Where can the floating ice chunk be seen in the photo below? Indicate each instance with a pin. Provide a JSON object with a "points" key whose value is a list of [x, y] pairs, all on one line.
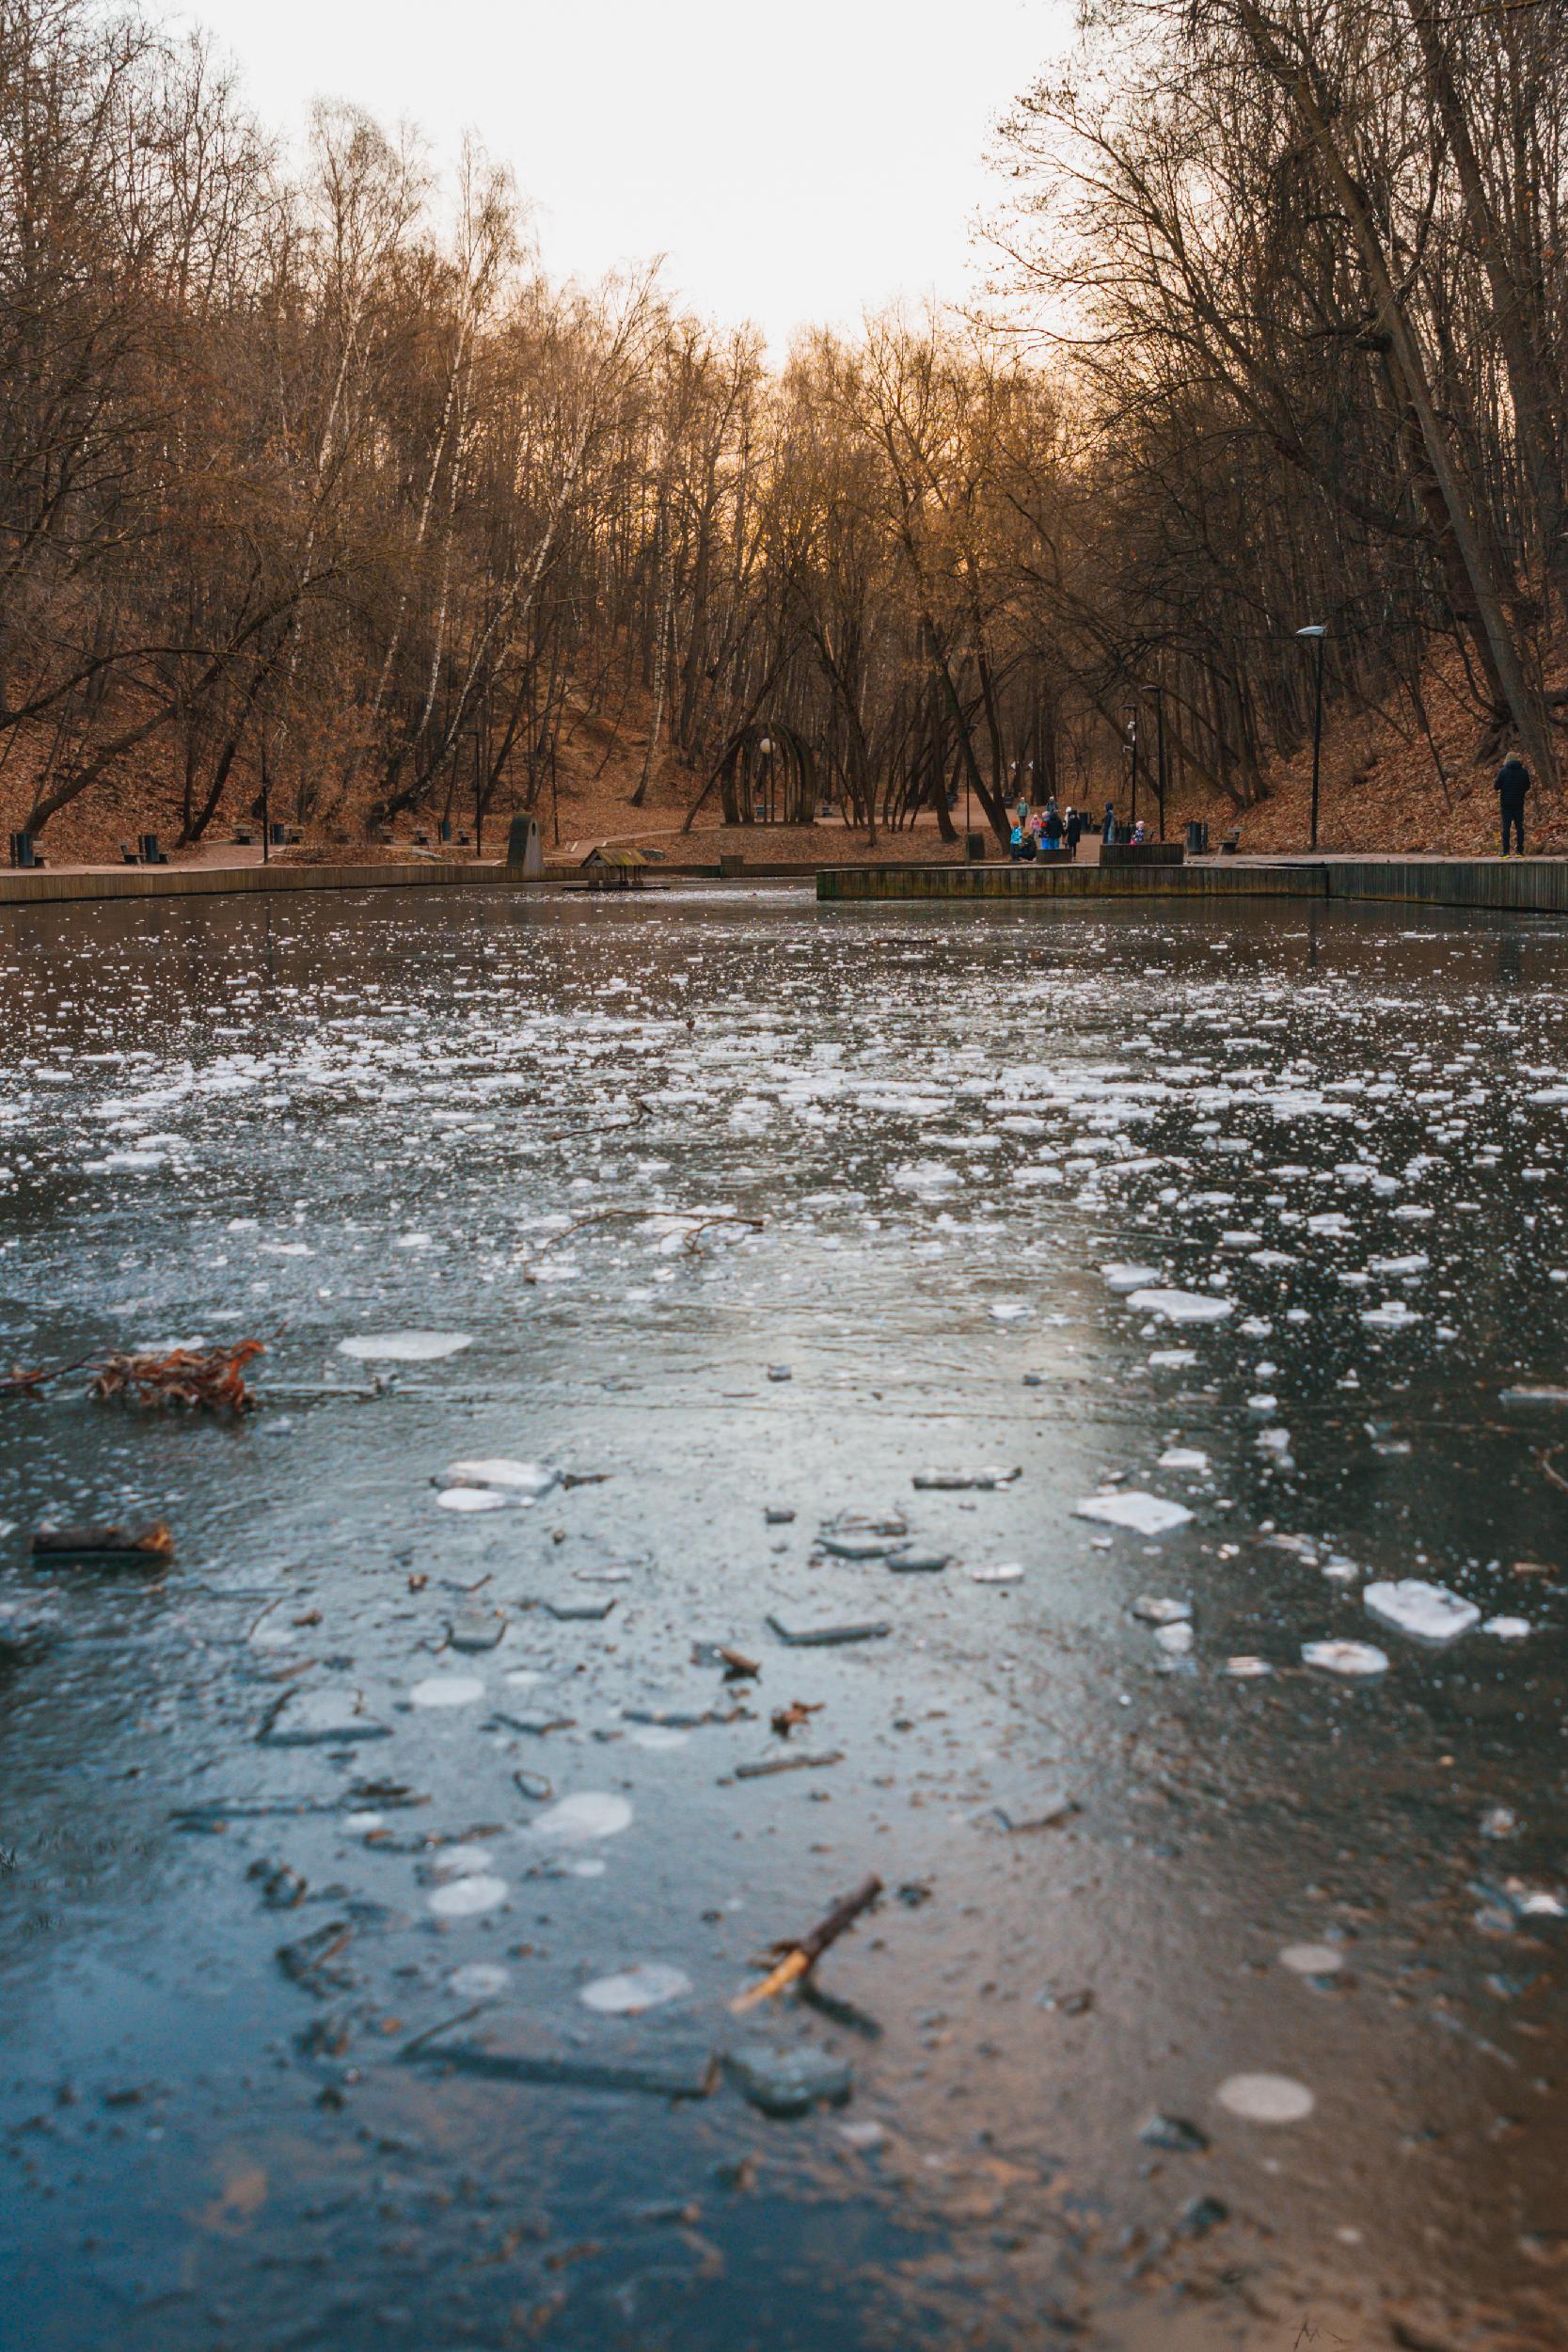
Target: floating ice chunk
{"points": [[1393, 1315], [1130, 1278], [1184, 1457], [447, 1691], [404, 1347], [329, 1717], [472, 1498], [523, 1482], [1180, 1306], [1430, 1612], [1172, 1358], [656, 1735], [1247, 1669], [1010, 1311], [1007, 1572], [577, 1820], [1508, 1628], [925, 1177], [1158, 1609], [649, 1985], [1416, 1263], [464, 1860], [1345, 1658], [466, 1898], [1176, 1639], [987, 1478], [1036, 1174], [1145, 1515], [1265, 2098], [1312, 1959], [1332, 1222], [481, 1981]]}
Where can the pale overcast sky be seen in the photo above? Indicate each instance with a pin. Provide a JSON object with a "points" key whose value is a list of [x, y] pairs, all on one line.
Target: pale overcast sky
{"points": [[796, 162]]}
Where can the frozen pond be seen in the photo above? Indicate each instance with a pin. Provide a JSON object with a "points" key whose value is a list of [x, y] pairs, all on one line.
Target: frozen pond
{"points": [[640, 1280]]}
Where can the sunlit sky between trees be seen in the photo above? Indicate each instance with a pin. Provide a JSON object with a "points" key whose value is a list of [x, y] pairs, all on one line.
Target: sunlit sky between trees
{"points": [[794, 164]]}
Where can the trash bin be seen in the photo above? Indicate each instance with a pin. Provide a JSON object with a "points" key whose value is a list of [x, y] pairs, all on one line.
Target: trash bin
{"points": [[1197, 837], [974, 848]]}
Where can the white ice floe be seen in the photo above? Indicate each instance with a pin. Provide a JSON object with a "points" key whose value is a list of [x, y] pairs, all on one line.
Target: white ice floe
{"points": [[1007, 1572], [1180, 1306], [404, 1347], [577, 1820], [447, 1691], [1247, 1669], [1172, 1358], [1345, 1658], [1175, 1638], [1508, 1628], [647, 1986], [520, 1482], [466, 1898], [1160, 1608], [481, 1981], [1393, 1315], [1265, 2098], [1312, 1959], [1145, 1515], [1416, 1263], [985, 1479], [1130, 1278], [472, 1498], [1184, 1457], [1010, 1311], [1430, 1612]]}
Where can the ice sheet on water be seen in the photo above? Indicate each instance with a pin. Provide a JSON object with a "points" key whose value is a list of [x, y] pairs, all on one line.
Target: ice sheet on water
{"points": [[1130, 1278], [1180, 1306], [1430, 1612], [1508, 1628], [1184, 1457], [1265, 2098], [466, 1897], [1393, 1315], [404, 1347], [985, 1479], [447, 1691], [520, 1482], [649, 1985], [1345, 1658], [1172, 1358], [472, 1498], [1144, 1514], [578, 1819]]}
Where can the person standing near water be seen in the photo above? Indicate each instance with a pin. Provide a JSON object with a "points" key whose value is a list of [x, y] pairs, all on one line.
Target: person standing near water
{"points": [[1108, 831], [1513, 783]]}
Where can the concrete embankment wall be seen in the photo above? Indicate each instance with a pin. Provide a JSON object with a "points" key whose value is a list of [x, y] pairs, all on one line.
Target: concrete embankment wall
{"points": [[30, 887], [1522, 885]]}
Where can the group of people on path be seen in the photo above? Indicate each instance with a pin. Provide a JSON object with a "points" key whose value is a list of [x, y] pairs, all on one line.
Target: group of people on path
{"points": [[1050, 831]]}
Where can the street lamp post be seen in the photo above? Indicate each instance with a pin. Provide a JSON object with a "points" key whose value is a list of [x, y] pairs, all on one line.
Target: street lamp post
{"points": [[1157, 695], [1318, 630], [266, 800], [478, 799], [1132, 743]]}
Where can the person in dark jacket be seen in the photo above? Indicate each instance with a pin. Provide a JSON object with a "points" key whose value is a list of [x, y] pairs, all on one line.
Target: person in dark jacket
{"points": [[1108, 831], [1513, 781]]}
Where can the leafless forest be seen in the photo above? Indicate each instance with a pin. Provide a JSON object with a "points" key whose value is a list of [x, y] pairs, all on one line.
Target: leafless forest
{"points": [[304, 467]]}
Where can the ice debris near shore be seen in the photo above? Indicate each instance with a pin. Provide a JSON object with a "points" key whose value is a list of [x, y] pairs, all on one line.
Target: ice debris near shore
{"points": [[1144, 1513], [1428, 1611]]}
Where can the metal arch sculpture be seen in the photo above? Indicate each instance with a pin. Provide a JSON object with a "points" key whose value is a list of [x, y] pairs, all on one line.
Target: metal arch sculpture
{"points": [[770, 763]]}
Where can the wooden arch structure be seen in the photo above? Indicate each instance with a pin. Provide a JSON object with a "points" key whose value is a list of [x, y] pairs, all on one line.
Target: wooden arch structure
{"points": [[767, 775]]}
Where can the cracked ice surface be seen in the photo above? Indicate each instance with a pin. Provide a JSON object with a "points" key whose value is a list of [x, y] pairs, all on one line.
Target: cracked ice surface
{"points": [[532, 1203]]}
